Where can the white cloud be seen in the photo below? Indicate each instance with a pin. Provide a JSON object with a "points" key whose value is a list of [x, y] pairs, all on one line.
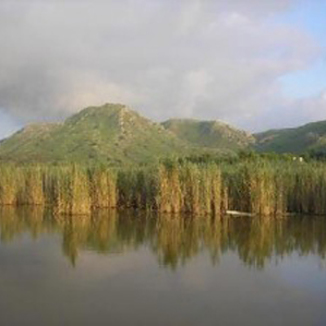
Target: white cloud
{"points": [[210, 59]]}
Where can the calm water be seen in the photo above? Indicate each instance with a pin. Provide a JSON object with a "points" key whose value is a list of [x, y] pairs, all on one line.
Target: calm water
{"points": [[136, 270]]}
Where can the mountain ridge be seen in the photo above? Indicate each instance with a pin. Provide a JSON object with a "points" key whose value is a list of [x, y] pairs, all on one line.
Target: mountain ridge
{"points": [[297, 140], [209, 133], [115, 134]]}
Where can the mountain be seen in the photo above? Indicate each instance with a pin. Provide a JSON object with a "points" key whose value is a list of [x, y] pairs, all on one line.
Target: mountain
{"points": [[307, 138], [209, 134], [110, 134], [114, 134]]}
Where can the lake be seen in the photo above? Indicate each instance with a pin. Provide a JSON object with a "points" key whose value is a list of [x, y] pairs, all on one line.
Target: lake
{"points": [[135, 269]]}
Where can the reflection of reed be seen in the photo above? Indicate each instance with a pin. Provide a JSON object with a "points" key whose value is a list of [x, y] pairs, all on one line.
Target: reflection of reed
{"points": [[174, 239], [14, 222], [177, 240]]}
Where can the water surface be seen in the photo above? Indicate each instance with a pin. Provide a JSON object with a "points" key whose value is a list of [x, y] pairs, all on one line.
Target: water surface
{"points": [[129, 269]]}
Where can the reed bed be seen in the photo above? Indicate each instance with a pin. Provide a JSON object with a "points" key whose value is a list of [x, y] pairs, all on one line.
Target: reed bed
{"points": [[261, 188]]}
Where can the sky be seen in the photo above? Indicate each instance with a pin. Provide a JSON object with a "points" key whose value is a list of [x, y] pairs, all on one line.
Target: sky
{"points": [[256, 64]]}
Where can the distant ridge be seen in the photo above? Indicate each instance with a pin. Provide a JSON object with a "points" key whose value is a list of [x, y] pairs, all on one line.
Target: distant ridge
{"points": [[211, 134], [307, 138]]}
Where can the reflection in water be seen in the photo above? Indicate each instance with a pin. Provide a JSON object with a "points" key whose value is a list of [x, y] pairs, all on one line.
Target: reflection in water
{"points": [[174, 240]]}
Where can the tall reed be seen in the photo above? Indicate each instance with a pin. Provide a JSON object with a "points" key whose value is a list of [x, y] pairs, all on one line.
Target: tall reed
{"points": [[10, 181], [103, 188], [259, 187]]}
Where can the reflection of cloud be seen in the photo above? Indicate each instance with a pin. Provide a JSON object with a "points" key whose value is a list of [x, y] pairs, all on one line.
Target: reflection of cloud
{"points": [[296, 271], [195, 277], [212, 59], [111, 265]]}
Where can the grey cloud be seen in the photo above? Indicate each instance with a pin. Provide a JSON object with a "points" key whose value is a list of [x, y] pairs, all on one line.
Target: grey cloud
{"points": [[210, 59]]}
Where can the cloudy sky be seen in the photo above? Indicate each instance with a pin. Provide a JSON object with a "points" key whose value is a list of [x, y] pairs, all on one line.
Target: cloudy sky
{"points": [[256, 64]]}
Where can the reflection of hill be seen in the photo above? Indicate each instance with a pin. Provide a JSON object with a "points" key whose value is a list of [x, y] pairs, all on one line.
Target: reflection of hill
{"points": [[174, 240]]}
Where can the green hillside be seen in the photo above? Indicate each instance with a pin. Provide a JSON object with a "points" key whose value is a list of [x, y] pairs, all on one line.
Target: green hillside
{"points": [[114, 134], [110, 134], [209, 134], [307, 138]]}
